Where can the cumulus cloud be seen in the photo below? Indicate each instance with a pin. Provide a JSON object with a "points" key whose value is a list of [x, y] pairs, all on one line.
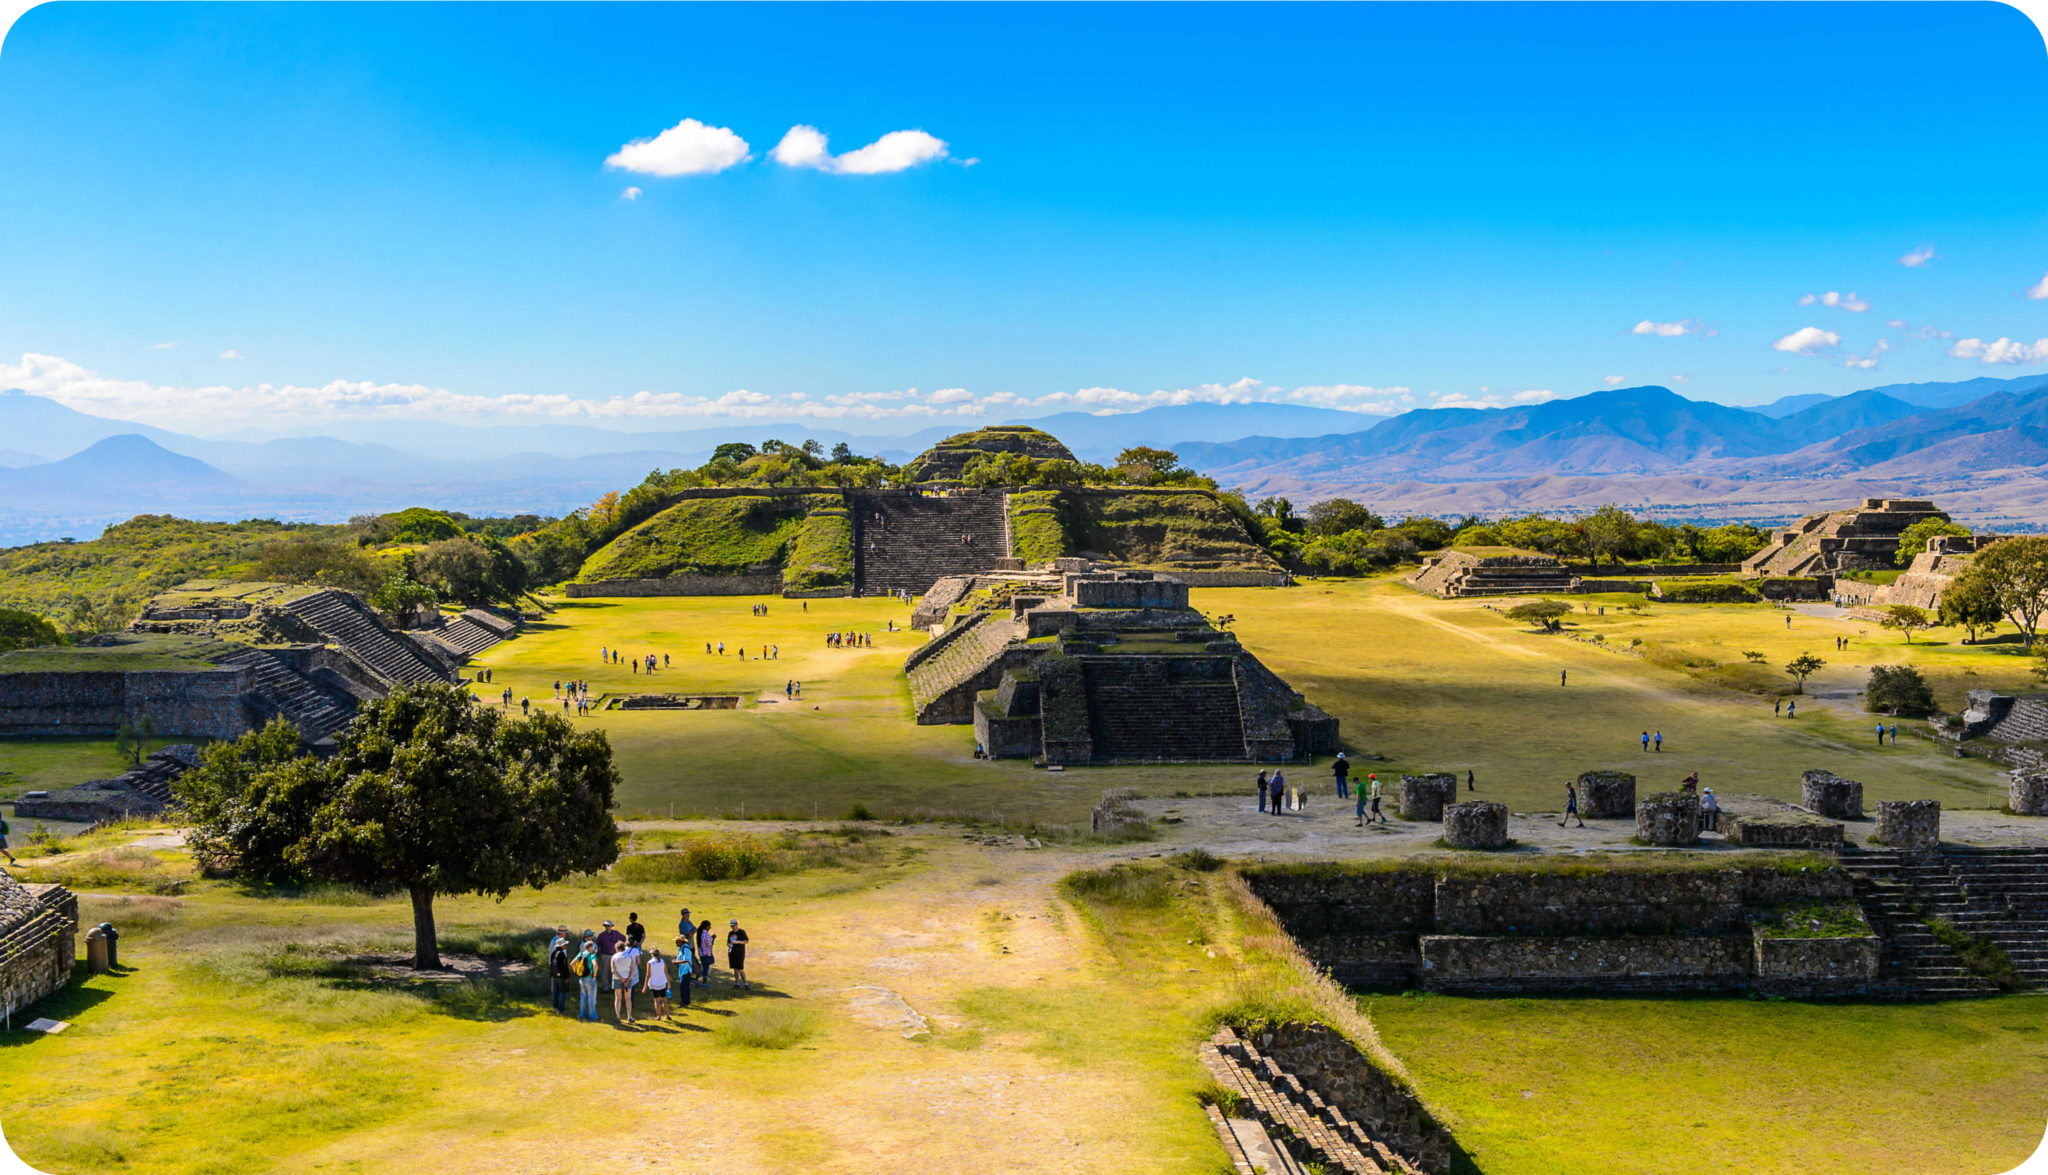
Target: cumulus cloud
{"points": [[1848, 301], [1919, 258], [1808, 340], [807, 146], [2003, 350], [1867, 361], [2039, 290], [1613, 381], [630, 194], [1667, 330], [231, 353], [687, 148], [1492, 399]]}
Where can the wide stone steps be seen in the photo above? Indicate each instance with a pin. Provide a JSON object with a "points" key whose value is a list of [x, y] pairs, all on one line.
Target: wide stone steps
{"points": [[286, 694], [1135, 711], [346, 622], [962, 658], [1297, 1117], [919, 542], [466, 636], [1994, 895]]}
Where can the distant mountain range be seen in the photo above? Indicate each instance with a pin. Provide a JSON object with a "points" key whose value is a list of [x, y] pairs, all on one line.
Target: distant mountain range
{"points": [[1981, 443]]}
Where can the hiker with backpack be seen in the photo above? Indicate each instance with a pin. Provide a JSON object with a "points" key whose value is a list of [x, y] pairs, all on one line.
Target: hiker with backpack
{"points": [[560, 977], [584, 968]]}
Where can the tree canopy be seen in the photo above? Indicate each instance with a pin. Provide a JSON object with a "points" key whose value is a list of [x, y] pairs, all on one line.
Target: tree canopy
{"points": [[2015, 571], [1913, 540], [1899, 690], [428, 791], [1803, 666], [1971, 604], [1907, 619]]}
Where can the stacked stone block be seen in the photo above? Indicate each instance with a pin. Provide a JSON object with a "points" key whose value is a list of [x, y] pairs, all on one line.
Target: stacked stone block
{"points": [[1824, 793], [1479, 824], [1423, 796], [2029, 794], [1909, 824], [1607, 795], [1668, 819]]}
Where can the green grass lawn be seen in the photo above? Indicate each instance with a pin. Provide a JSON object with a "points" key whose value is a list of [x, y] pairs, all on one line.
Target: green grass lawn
{"points": [[47, 764], [1649, 1086]]}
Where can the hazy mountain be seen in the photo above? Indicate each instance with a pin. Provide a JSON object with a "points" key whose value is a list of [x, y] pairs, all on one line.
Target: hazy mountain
{"points": [[1101, 438], [1955, 395], [1835, 416], [48, 430], [122, 464], [1787, 405]]}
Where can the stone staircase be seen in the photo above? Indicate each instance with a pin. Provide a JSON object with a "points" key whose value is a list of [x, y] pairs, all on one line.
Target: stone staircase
{"points": [[2000, 895], [1163, 708], [466, 636], [918, 540], [958, 655], [348, 622], [1311, 1129], [280, 692]]}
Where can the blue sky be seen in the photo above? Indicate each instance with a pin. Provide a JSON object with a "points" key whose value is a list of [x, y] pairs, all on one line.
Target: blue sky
{"points": [[395, 210]]}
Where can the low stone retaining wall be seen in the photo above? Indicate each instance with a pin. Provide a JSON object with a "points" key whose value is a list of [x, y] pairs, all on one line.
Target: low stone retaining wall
{"points": [[1808, 967], [762, 584], [1668, 818], [199, 703], [1824, 793], [1909, 824], [1224, 579], [39, 945], [1786, 830], [1711, 962]]}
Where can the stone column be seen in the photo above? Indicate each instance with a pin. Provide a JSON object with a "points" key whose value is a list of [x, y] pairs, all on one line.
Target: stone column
{"points": [[1668, 818], [1479, 824], [1423, 796], [1909, 824], [1824, 793], [1607, 795], [2030, 794]]}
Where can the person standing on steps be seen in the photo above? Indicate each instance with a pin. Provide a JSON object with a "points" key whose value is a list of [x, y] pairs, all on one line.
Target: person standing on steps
{"points": [[1571, 805], [1342, 770], [1262, 790]]}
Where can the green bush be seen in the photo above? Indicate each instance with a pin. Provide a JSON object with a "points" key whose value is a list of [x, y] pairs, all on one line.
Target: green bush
{"points": [[1118, 885], [1898, 690]]}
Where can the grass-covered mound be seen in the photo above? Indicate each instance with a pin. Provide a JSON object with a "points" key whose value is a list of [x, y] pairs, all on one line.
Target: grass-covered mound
{"points": [[732, 535], [946, 460], [135, 560], [1157, 527]]}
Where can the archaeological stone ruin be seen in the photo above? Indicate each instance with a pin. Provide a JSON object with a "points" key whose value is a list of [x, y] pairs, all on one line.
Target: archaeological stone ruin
{"points": [[1069, 665], [1864, 538], [1492, 572]]}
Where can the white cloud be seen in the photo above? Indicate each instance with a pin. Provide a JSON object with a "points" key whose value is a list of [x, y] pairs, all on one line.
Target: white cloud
{"points": [[1919, 258], [161, 346], [630, 194], [1491, 399], [1868, 361], [231, 353], [807, 146], [1614, 381], [687, 148], [2039, 290], [2003, 350], [1848, 301], [1918, 332], [1681, 379], [1667, 330], [1808, 340]]}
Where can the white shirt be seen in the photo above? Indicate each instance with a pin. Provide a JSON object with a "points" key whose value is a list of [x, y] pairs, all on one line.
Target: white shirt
{"points": [[625, 964], [657, 973]]}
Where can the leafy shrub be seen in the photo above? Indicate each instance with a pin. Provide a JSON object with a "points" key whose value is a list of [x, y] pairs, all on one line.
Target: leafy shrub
{"points": [[1899, 690], [1198, 860], [1118, 885]]}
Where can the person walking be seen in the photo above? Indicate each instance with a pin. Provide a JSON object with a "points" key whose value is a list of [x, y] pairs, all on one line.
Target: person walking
{"points": [[560, 977], [1792, 708], [1880, 734], [1571, 805], [1777, 707], [1469, 777], [1279, 785], [1376, 814], [1560, 676], [1342, 770], [625, 976], [1361, 807], [3, 844], [1646, 740], [1657, 739], [585, 967], [657, 983], [1262, 790], [736, 953], [1895, 734]]}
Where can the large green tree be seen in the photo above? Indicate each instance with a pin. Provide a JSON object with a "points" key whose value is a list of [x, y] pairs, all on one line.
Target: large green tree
{"points": [[1610, 531], [2015, 571], [25, 630], [427, 791], [1971, 604], [1913, 540]]}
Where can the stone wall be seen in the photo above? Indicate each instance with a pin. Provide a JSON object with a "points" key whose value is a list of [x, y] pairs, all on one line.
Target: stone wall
{"points": [[1786, 830], [1479, 824], [38, 942], [1668, 819], [1824, 793], [1229, 579], [1322, 1060], [1607, 795], [1422, 797], [200, 703], [2029, 794], [757, 584], [1809, 967], [1712, 962]]}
